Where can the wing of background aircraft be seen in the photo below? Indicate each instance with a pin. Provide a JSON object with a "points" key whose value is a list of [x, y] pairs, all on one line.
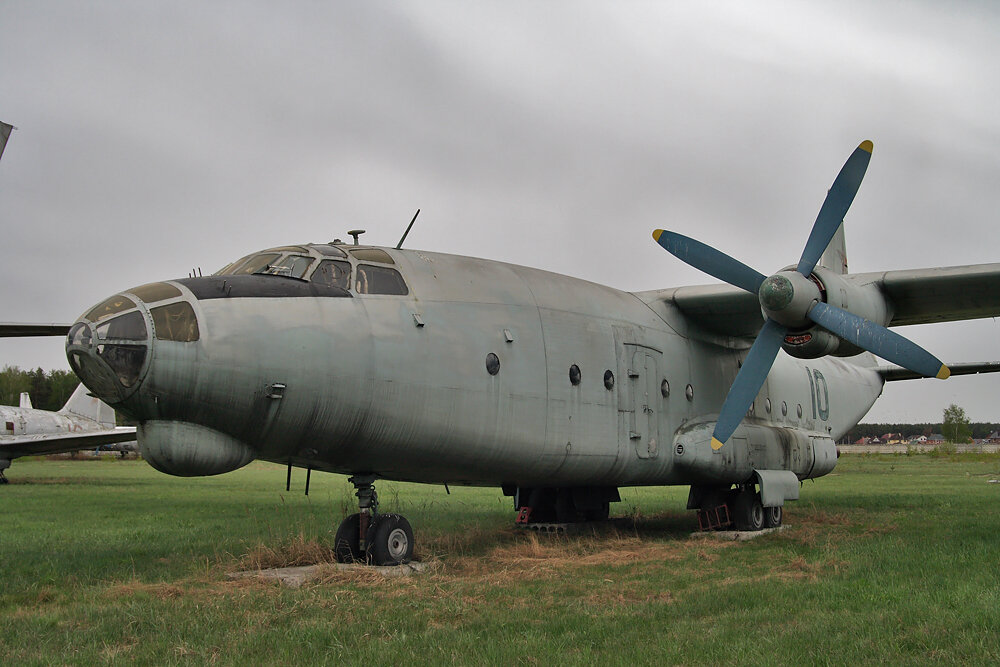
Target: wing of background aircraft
{"points": [[5, 129], [85, 422], [916, 296], [12, 447]]}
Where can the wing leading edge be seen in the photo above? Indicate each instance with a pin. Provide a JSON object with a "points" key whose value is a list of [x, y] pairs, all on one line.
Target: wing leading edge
{"points": [[35, 445], [915, 296]]}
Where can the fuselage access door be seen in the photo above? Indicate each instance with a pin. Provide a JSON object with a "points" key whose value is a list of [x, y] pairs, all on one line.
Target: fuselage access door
{"points": [[638, 394]]}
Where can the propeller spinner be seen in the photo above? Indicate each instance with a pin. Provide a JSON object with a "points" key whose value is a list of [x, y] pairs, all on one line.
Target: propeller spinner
{"points": [[790, 299]]}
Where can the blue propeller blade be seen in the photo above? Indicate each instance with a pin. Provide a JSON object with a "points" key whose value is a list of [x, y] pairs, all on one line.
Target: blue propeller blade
{"points": [[748, 381], [878, 340], [834, 208], [710, 260]]}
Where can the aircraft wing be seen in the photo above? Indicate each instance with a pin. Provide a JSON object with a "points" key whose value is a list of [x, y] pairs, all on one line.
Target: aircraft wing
{"points": [[915, 296], [12, 447], [922, 296], [15, 330]]}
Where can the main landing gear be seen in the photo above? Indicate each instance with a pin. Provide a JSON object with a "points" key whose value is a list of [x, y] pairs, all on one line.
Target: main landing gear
{"points": [[371, 537], [559, 506], [739, 508]]}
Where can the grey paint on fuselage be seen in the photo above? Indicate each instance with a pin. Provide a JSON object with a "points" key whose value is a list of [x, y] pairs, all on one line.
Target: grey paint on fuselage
{"points": [[398, 385]]}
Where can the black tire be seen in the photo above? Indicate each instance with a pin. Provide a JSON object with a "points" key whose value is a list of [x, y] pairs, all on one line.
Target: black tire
{"points": [[748, 513], [347, 543], [390, 540], [772, 517]]}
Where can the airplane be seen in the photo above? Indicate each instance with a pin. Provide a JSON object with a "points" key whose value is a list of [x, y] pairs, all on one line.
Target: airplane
{"points": [[385, 363], [85, 422]]}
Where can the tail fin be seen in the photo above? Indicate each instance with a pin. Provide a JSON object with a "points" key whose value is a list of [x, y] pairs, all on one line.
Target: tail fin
{"points": [[835, 255], [82, 404], [25, 400]]}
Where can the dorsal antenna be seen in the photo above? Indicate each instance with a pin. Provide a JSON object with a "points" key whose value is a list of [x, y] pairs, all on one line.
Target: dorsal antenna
{"points": [[400, 244]]}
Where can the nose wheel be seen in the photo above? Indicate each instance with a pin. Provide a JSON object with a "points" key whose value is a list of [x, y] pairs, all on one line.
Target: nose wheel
{"points": [[371, 537]]}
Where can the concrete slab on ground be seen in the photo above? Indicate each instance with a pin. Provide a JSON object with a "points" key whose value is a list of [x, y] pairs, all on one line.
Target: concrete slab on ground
{"points": [[736, 535], [293, 577]]}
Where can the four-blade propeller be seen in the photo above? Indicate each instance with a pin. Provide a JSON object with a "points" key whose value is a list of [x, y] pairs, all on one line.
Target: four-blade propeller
{"points": [[790, 300]]}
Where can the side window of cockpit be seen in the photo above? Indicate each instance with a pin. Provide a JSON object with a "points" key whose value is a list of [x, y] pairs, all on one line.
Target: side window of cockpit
{"points": [[379, 280], [334, 273], [294, 266], [256, 263]]}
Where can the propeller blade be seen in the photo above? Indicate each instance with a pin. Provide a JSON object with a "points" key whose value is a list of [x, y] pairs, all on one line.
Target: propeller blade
{"points": [[710, 260], [748, 381], [878, 340], [834, 208]]}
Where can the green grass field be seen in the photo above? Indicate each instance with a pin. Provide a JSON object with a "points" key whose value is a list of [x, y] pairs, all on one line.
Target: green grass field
{"points": [[891, 559]]}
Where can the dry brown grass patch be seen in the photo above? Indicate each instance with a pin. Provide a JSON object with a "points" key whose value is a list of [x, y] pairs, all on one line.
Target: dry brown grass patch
{"points": [[295, 552]]}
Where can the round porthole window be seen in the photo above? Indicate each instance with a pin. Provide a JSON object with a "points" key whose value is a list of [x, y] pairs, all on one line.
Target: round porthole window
{"points": [[784, 409], [492, 364], [767, 405], [574, 374], [798, 410], [689, 392], [665, 388], [609, 380]]}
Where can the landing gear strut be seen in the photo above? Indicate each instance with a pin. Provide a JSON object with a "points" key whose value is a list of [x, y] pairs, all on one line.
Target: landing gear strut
{"points": [[371, 537], [739, 508]]}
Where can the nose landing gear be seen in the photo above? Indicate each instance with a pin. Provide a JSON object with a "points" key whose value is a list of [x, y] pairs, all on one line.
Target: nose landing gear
{"points": [[370, 537]]}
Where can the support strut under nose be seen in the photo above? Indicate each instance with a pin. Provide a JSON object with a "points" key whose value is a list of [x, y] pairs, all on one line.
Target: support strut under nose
{"points": [[370, 537]]}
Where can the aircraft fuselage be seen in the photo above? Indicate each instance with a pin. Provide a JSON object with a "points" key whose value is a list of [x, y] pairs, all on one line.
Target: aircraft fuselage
{"points": [[481, 373]]}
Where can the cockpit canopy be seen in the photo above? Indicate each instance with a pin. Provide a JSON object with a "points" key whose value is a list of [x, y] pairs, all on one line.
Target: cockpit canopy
{"points": [[359, 269]]}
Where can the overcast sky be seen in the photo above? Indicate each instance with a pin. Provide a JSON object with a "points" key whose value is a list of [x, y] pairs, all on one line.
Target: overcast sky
{"points": [[158, 137]]}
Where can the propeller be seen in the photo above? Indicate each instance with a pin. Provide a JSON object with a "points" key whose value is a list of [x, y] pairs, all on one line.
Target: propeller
{"points": [[789, 299]]}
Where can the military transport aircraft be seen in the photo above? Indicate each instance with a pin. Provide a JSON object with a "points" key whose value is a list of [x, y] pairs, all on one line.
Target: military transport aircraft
{"points": [[85, 422], [384, 363]]}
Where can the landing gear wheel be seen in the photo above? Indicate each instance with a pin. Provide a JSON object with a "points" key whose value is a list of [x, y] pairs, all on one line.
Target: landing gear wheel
{"points": [[772, 517], [347, 543], [391, 541], [748, 513]]}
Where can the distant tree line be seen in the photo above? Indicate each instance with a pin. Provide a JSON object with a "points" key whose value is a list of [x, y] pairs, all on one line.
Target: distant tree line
{"points": [[49, 390]]}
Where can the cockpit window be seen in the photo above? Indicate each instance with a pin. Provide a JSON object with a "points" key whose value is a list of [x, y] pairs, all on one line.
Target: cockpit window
{"points": [[112, 306], [372, 255], [130, 326], [176, 321], [334, 273], [256, 263], [329, 250], [293, 266], [379, 280], [154, 292]]}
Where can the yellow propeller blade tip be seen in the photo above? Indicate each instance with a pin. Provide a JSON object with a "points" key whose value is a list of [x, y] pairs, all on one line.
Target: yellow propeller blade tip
{"points": [[717, 444], [944, 373], [656, 234], [866, 146]]}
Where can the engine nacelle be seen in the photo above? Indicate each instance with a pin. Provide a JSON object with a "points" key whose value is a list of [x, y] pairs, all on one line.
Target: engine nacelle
{"points": [[189, 450], [866, 301]]}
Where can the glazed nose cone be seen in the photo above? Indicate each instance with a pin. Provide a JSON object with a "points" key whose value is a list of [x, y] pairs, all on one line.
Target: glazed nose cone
{"points": [[109, 347]]}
